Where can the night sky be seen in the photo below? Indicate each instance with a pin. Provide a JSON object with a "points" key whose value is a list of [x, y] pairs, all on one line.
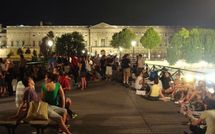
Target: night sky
{"points": [[120, 12]]}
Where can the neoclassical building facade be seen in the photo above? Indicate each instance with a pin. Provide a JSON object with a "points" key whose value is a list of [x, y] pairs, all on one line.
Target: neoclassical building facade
{"points": [[3, 38], [97, 37]]}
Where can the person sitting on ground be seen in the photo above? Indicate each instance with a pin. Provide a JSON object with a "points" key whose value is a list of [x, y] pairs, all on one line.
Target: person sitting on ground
{"points": [[141, 85], [180, 94], [146, 72], [209, 101], [156, 91], [139, 81], [200, 103], [177, 84], [192, 92], [207, 116], [165, 79]]}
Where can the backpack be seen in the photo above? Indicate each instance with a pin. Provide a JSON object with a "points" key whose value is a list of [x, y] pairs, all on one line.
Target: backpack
{"points": [[152, 75]]}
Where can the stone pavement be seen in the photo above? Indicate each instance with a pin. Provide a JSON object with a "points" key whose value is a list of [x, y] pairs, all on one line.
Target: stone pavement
{"points": [[110, 108]]}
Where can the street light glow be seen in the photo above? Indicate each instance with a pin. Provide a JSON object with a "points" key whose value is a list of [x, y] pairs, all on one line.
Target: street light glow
{"points": [[120, 49], [133, 43], [83, 51], [50, 43], [189, 78]]}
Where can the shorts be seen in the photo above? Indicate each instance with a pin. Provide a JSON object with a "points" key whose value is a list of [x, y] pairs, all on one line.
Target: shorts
{"points": [[127, 71], [108, 70], [56, 113]]}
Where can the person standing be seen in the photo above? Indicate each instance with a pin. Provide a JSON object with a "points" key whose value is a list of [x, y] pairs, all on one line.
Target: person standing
{"points": [[109, 68], [125, 64], [22, 65], [10, 74], [74, 69], [83, 71], [140, 63], [103, 66]]}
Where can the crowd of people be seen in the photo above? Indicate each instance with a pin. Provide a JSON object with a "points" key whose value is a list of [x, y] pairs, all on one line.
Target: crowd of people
{"points": [[196, 100], [62, 74]]}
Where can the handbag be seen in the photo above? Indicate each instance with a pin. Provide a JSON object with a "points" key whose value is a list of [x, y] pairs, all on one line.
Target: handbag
{"points": [[37, 111]]}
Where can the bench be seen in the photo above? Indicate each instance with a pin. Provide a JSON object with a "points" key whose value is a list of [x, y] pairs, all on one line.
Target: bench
{"points": [[11, 125], [40, 125]]}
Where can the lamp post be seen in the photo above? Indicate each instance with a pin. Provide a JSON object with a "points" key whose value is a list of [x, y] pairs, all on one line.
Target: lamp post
{"points": [[83, 51], [50, 43], [133, 44], [120, 52]]}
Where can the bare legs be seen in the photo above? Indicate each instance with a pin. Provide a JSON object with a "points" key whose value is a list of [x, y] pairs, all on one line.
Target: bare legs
{"points": [[83, 83]]}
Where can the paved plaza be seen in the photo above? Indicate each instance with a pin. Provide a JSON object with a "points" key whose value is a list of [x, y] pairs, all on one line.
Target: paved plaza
{"points": [[110, 108]]}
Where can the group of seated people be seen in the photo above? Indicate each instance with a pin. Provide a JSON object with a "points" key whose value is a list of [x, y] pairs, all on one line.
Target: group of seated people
{"points": [[51, 92], [193, 97], [151, 89]]}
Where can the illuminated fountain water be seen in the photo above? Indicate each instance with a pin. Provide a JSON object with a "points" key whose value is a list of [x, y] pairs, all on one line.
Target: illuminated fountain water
{"points": [[204, 71]]}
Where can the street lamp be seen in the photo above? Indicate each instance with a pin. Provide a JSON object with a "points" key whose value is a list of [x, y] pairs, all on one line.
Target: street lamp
{"points": [[50, 43], [83, 51], [120, 52], [133, 44]]}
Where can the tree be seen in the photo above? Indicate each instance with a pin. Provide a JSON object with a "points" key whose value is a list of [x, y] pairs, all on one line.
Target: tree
{"points": [[123, 39], [208, 41], [50, 34], [70, 44], [115, 42], [46, 50], [178, 45], [150, 39], [192, 45], [193, 50]]}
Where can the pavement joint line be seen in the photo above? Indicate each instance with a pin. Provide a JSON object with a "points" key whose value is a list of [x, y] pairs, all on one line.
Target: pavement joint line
{"points": [[140, 113]]}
